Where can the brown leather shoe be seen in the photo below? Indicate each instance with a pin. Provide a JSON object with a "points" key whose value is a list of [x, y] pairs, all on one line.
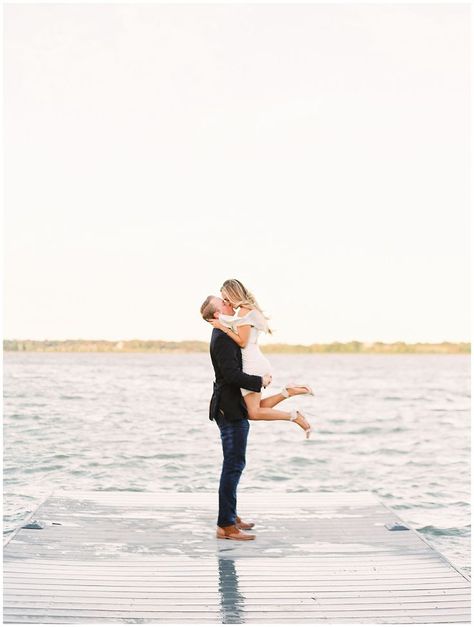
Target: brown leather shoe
{"points": [[240, 524], [233, 533]]}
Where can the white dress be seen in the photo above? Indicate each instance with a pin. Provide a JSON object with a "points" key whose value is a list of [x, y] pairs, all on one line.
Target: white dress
{"points": [[253, 360]]}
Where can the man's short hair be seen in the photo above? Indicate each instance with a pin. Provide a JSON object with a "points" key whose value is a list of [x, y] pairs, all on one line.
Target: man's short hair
{"points": [[208, 308]]}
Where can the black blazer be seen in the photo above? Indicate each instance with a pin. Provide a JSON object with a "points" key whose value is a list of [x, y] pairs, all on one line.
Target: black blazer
{"points": [[227, 400]]}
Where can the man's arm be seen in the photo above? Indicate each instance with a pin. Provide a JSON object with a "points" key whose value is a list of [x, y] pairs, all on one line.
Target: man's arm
{"points": [[226, 355]]}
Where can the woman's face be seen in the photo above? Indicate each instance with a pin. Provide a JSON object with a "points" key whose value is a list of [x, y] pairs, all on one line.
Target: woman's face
{"points": [[226, 300]]}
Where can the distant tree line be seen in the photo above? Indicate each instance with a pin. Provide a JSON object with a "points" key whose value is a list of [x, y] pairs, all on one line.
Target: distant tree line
{"points": [[160, 346]]}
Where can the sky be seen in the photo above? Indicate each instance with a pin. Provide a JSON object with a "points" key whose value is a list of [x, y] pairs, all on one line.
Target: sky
{"points": [[319, 153]]}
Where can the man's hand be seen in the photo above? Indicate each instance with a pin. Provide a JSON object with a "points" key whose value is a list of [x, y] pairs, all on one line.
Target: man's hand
{"points": [[266, 380]]}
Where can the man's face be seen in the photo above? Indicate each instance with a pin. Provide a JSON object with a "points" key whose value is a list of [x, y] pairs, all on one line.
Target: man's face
{"points": [[222, 306]]}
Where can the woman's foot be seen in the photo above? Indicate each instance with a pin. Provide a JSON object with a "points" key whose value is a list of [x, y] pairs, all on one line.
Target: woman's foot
{"points": [[300, 420], [293, 389]]}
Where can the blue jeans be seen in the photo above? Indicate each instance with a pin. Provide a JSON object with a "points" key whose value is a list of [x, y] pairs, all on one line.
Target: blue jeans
{"points": [[234, 444]]}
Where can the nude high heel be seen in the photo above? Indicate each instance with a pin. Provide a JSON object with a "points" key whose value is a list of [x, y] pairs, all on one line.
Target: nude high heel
{"points": [[294, 415], [284, 390]]}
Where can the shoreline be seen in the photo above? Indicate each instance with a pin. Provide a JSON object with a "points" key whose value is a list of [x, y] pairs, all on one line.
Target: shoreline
{"points": [[185, 347]]}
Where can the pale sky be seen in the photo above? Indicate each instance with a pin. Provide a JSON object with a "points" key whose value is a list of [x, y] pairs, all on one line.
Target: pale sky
{"points": [[318, 153]]}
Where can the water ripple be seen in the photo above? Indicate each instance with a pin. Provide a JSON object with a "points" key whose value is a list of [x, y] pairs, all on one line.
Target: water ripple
{"points": [[397, 426]]}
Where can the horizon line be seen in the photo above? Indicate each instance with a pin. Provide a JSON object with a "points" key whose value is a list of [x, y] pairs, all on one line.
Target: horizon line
{"points": [[320, 343]]}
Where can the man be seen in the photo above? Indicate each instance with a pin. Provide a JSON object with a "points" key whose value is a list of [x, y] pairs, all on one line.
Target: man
{"points": [[228, 409]]}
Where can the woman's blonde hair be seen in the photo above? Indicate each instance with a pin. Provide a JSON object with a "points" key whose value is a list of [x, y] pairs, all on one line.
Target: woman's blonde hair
{"points": [[239, 296]]}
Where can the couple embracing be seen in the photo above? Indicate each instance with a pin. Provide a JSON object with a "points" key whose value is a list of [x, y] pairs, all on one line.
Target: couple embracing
{"points": [[241, 371]]}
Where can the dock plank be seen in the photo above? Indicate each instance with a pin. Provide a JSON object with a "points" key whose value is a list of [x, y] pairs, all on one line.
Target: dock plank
{"points": [[153, 557]]}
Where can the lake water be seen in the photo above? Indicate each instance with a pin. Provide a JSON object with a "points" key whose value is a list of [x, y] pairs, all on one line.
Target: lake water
{"points": [[397, 425]]}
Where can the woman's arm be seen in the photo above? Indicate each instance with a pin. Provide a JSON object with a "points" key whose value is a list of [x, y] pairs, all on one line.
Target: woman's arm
{"points": [[242, 333], [241, 337]]}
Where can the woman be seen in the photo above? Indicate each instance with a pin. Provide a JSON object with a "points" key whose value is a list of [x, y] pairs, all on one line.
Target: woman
{"points": [[244, 329]]}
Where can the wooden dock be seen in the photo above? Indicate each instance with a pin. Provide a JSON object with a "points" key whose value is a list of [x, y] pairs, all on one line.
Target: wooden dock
{"points": [[140, 557]]}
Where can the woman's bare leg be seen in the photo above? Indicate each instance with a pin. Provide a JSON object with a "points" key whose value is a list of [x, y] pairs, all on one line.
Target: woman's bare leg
{"points": [[256, 412], [273, 400]]}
